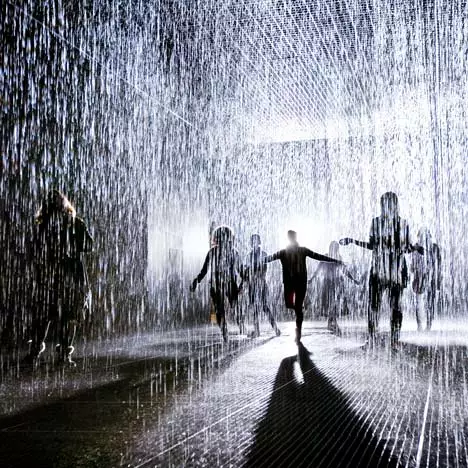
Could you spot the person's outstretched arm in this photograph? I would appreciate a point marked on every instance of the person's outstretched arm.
(273, 257)
(202, 273)
(372, 237)
(365, 245)
(407, 246)
(437, 266)
(320, 257)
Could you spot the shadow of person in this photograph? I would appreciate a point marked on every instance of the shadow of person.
(310, 423)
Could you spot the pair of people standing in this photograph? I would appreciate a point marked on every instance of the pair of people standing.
(226, 278)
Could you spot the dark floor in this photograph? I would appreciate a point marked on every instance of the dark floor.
(185, 399)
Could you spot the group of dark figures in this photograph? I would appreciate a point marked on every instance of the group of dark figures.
(389, 242)
(62, 295)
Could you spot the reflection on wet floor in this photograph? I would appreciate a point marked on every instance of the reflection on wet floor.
(189, 400)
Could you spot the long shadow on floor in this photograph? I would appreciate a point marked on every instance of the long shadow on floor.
(87, 429)
(309, 423)
(94, 427)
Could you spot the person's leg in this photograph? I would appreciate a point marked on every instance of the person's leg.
(239, 317)
(301, 290)
(218, 302)
(45, 311)
(67, 334)
(430, 305)
(330, 304)
(71, 333)
(333, 318)
(256, 319)
(267, 309)
(397, 316)
(39, 338)
(289, 295)
(375, 297)
(231, 291)
(254, 302)
(419, 306)
(71, 300)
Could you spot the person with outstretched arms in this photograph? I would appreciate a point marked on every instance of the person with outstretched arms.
(389, 241)
(293, 261)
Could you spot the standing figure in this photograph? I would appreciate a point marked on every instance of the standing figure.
(333, 286)
(60, 238)
(258, 288)
(225, 269)
(293, 261)
(389, 241)
(427, 277)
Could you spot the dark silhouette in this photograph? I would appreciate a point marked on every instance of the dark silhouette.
(61, 290)
(225, 269)
(332, 291)
(311, 423)
(258, 287)
(427, 277)
(389, 241)
(293, 261)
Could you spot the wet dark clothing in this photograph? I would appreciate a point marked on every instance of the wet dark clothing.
(293, 261)
(225, 271)
(376, 290)
(294, 294)
(217, 296)
(60, 279)
(389, 240)
(60, 275)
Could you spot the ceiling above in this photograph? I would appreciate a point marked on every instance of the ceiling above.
(306, 68)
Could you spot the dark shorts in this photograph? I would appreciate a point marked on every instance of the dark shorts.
(294, 294)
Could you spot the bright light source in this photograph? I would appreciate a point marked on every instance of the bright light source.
(195, 241)
(310, 233)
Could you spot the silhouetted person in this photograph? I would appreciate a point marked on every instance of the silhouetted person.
(332, 291)
(427, 277)
(60, 238)
(224, 264)
(389, 241)
(258, 287)
(293, 261)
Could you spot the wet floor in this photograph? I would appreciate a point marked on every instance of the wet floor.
(185, 399)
